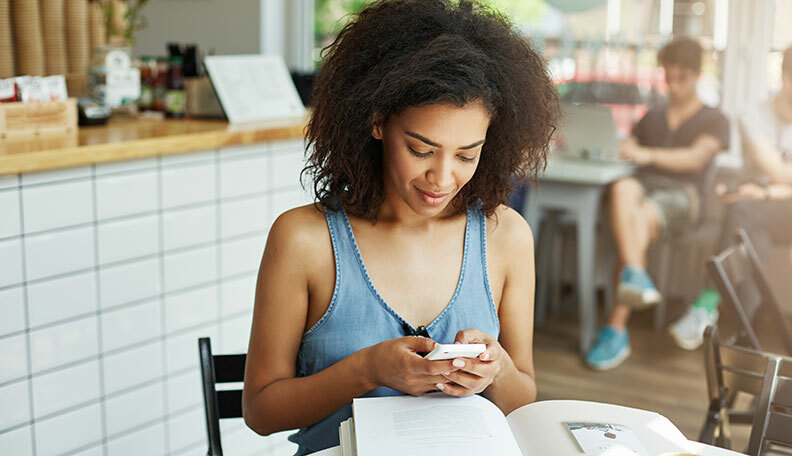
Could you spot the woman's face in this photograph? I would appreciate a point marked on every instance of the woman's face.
(430, 152)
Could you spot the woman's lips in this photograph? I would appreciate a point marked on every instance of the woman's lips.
(433, 199)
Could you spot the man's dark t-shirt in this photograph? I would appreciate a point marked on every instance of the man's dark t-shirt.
(653, 131)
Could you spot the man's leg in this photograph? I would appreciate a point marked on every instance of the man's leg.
(635, 224)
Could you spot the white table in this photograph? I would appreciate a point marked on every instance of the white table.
(576, 186)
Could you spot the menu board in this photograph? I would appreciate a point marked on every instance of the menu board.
(254, 87)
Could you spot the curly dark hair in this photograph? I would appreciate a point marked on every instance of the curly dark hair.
(682, 51)
(397, 54)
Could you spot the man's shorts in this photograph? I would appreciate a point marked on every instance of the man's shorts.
(677, 201)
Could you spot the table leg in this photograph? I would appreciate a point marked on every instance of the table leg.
(587, 303)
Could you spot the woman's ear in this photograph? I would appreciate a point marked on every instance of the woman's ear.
(377, 127)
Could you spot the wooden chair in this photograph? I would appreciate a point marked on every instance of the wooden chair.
(772, 424)
(220, 404)
(736, 266)
(730, 370)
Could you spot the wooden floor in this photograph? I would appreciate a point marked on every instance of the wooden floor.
(658, 375)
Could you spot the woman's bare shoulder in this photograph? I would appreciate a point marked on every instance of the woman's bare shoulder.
(301, 231)
(507, 230)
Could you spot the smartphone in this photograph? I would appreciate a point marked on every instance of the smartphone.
(451, 351)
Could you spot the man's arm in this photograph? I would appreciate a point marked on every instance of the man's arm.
(678, 159)
(768, 159)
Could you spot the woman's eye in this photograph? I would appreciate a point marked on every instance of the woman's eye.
(419, 154)
(466, 159)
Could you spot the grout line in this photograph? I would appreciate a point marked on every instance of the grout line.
(161, 298)
(98, 291)
(26, 304)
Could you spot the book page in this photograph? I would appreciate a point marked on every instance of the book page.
(606, 438)
(540, 428)
(431, 425)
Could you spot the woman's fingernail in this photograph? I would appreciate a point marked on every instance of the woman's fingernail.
(458, 363)
(440, 386)
(446, 374)
(484, 356)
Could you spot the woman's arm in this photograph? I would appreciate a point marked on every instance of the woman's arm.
(505, 372)
(273, 399)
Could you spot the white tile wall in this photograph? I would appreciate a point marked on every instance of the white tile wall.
(191, 308)
(133, 367)
(124, 411)
(120, 375)
(244, 177)
(131, 325)
(68, 431)
(15, 404)
(9, 181)
(18, 441)
(63, 344)
(65, 388)
(129, 282)
(147, 441)
(57, 205)
(188, 429)
(127, 194)
(10, 262)
(238, 294)
(13, 358)
(59, 252)
(284, 200)
(190, 268)
(245, 216)
(236, 334)
(43, 177)
(182, 350)
(61, 298)
(289, 164)
(192, 157)
(9, 207)
(142, 164)
(184, 391)
(182, 228)
(242, 255)
(127, 239)
(188, 185)
(12, 308)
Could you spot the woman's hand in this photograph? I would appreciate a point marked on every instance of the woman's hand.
(395, 363)
(474, 375)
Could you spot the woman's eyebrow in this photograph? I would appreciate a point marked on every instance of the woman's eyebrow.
(434, 144)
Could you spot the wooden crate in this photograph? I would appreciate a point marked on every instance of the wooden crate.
(30, 119)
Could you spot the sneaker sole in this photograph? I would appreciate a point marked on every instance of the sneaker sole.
(636, 299)
(685, 343)
(615, 362)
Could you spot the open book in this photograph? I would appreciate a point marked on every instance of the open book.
(438, 424)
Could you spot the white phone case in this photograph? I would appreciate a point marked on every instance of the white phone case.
(450, 351)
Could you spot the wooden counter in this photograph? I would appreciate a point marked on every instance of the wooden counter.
(128, 138)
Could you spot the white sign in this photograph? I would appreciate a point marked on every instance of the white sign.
(254, 87)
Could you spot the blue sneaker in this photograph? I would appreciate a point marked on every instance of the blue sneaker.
(611, 349)
(636, 289)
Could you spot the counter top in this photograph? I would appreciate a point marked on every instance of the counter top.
(131, 138)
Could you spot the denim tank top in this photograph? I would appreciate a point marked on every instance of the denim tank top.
(359, 317)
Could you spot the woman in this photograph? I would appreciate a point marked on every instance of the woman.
(424, 110)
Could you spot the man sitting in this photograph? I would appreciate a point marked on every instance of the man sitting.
(674, 145)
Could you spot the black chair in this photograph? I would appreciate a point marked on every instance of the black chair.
(732, 268)
(219, 404)
(772, 426)
(731, 370)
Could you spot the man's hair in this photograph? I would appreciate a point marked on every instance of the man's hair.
(398, 54)
(681, 51)
(786, 65)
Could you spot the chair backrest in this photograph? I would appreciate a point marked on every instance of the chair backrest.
(730, 370)
(735, 266)
(773, 419)
(219, 404)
